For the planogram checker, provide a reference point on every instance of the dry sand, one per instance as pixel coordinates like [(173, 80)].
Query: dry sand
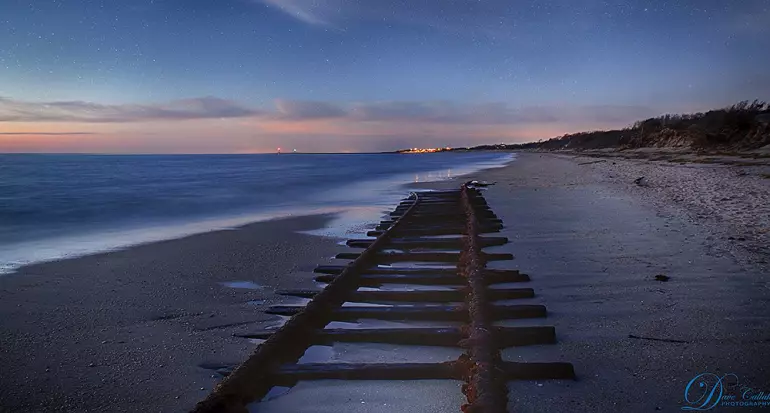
[(591, 239), (726, 196)]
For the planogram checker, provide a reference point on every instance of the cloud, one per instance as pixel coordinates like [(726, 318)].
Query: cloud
[(316, 12), (299, 115), (46, 133), (193, 125), (495, 113), (78, 111), (452, 113), (521, 21), (491, 18), (442, 112), (430, 13)]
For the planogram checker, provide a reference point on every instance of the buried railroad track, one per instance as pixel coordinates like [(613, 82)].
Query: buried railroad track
[(421, 229)]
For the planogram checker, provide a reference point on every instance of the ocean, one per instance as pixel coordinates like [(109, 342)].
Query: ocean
[(59, 206)]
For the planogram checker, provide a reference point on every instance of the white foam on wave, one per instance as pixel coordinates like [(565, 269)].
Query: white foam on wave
[(379, 196), (356, 207), (16, 255)]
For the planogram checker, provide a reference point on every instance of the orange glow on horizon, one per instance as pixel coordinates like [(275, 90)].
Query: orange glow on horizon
[(255, 135)]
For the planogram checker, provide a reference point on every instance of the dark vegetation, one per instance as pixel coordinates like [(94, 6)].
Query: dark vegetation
[(743, 126)]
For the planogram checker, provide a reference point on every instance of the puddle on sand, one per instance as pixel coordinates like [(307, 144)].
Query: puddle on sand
[(408, 287), (368, 289), (416, 264), (248, 285), (364, 304), (275, 325), (369, 323), (313, 354), (255, 302), (298, 301), (317, 354), (436, 250), (274, 393)]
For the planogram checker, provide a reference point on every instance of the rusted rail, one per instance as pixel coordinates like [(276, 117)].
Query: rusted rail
[(441, 227), (485, 385)]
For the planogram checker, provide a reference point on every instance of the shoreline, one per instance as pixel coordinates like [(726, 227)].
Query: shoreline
[(132, 330), (387, 190), (137, 328), (161, 234)]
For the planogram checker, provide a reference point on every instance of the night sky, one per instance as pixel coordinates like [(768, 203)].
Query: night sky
[(240, 76)]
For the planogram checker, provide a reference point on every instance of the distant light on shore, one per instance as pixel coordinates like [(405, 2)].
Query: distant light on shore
[(424, 150)]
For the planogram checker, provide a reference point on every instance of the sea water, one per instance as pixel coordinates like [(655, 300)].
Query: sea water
[(57, 206)]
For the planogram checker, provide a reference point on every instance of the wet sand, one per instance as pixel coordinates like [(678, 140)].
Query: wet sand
[(128, 331), (591, 239)]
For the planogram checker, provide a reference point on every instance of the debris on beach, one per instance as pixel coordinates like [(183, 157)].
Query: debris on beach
[(592, 162), (667, 340), (662, 278), (641, 181)]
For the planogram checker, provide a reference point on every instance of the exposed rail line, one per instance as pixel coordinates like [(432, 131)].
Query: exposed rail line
[(423, 227)]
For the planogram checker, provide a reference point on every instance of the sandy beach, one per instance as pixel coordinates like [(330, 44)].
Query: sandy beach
[(593, 240), (128, 331), (131, 330), (175, 175)]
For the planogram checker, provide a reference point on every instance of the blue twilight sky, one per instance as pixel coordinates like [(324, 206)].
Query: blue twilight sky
[(357, 75)]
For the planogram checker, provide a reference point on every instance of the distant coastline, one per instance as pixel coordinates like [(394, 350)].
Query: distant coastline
[(744, 126)]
